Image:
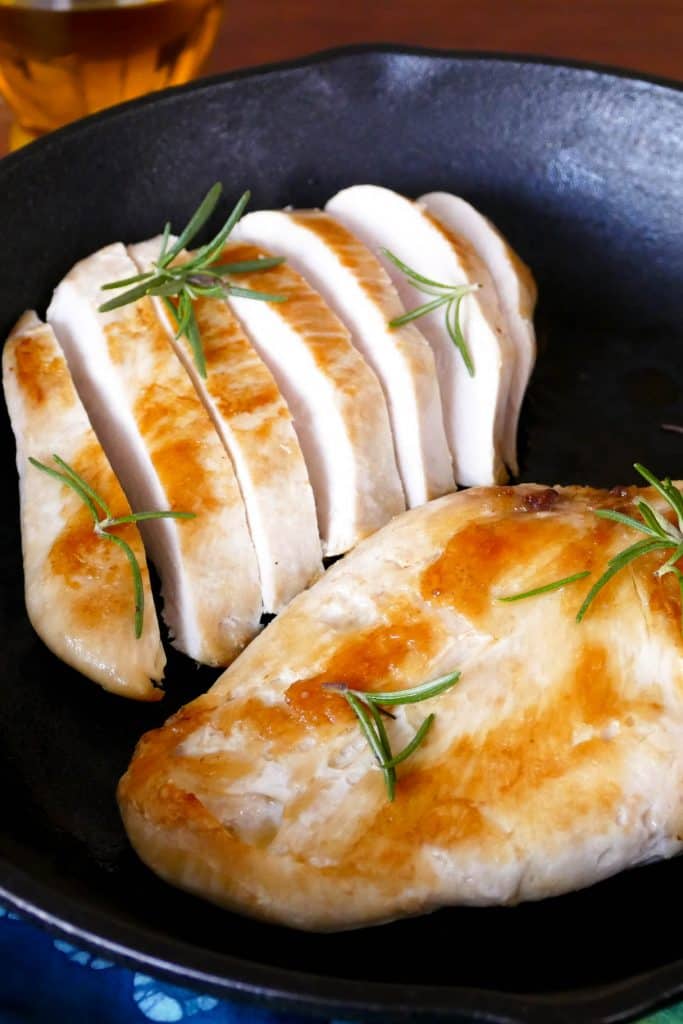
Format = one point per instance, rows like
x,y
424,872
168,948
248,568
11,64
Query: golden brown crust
x,y
305,311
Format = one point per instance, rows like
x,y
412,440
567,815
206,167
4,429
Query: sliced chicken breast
x,y
556,760
339,411
256,428
79,587
166,452
356,287
474,406
516,291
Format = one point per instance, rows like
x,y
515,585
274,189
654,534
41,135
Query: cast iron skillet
x,y
583,169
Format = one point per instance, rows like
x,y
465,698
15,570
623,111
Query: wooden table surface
x,y
643,35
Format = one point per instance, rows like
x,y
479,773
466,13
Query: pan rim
x,y
42,145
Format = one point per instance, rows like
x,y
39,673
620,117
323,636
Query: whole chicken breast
x,y
79,588
556,760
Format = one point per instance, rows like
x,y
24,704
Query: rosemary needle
x,y
546,588
201,276
368,707
447,295
103,521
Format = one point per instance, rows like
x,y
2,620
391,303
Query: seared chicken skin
x,y
79,588
556,760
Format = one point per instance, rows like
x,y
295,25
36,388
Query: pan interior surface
x,y
583,171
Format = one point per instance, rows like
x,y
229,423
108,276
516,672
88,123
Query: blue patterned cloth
x,y
44,980
48,981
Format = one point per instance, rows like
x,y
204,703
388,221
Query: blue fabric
x,y
48,981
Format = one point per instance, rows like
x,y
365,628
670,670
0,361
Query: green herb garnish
x,y
660,535
547,587
369,708
104,521
200,277
448,295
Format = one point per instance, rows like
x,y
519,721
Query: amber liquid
x,y
58,65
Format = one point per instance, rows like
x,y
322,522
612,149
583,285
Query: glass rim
x,y
66,6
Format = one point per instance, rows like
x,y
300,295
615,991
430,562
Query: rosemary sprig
x,y
369,706
448,295
200,277
103,521
660,535
546,588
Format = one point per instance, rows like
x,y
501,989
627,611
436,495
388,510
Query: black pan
x,y
583,169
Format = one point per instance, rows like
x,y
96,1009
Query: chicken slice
x,y
356,287
339,411
474,406
256,428
516,291
166,452
555,761
79,588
